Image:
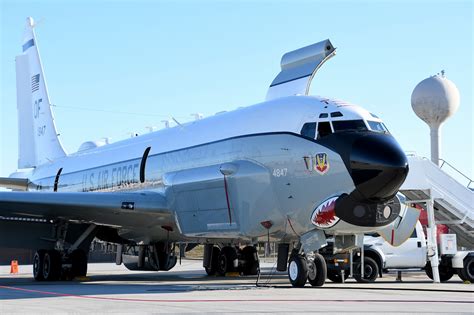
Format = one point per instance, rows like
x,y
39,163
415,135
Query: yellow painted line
x,y
232,274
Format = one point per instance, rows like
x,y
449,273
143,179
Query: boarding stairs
x,y
452,201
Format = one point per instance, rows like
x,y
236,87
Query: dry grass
x,y
196,253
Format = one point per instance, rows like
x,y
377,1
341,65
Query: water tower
x,y
434,100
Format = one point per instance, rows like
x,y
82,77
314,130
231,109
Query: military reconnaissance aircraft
x,y
294,168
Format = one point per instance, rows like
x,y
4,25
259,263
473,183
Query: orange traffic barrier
x,y
14,266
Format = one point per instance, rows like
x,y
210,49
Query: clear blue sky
x,y
172,59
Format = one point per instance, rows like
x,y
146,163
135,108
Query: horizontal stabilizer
x,y
14,183
401,229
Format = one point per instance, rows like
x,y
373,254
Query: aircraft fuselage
x,y
226,175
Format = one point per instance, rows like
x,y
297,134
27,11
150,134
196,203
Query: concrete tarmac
x,y
186,289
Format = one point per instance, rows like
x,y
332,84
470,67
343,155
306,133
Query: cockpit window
x,y
349,125
377,126
336,114
309,130
323,115
324,129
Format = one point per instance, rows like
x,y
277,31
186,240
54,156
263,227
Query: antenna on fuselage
x,y
166,122
151,128
177,122
197,116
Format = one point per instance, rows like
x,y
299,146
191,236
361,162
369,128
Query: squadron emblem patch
x,y
321,163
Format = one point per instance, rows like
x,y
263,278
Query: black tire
x,y
226,260
214,261
51,265
336,277
251,264
445,272
468,270
78,263
371,271
38,260
297,271
317,271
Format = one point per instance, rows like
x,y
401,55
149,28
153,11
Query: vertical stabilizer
x,y
26,143
38,139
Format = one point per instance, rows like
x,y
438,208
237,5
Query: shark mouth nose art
x,y
324,216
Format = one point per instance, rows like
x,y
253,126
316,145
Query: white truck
x,y
380,257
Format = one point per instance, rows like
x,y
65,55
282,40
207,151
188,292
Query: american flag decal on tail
x,y
35,83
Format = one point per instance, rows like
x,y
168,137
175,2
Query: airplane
x,y
294,169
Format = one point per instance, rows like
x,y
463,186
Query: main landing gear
x,y
307,268
52,265
68,259
230,259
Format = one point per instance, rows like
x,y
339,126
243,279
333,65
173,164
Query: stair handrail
x,y
458,171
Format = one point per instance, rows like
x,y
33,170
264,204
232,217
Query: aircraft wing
x,y
106,208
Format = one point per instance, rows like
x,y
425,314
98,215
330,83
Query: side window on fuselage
x,y
309,130
324,129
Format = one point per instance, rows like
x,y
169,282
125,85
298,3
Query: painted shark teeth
x,y
324,216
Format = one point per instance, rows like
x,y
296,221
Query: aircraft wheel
x,y
371,270
38,260
468,270
445,272
298,271
78,263
51,265
214,261
336,277
226,260
250,257
317,271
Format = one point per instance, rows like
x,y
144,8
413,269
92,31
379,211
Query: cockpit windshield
x,y
377,126
349,125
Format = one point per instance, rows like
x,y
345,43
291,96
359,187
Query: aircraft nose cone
x,y
378,166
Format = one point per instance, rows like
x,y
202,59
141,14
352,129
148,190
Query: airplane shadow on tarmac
x,y
12,287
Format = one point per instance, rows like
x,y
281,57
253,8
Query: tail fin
x,y
38,140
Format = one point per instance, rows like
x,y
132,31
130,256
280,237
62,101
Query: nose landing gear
x,y
307,268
